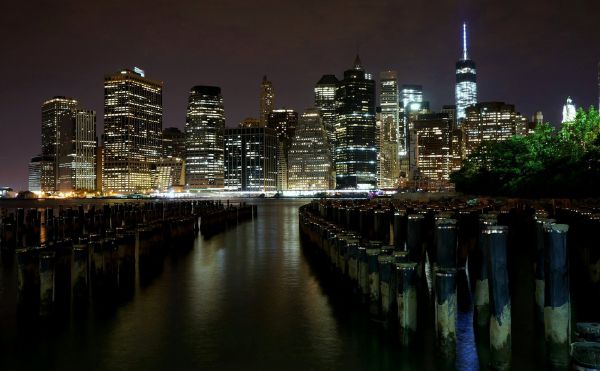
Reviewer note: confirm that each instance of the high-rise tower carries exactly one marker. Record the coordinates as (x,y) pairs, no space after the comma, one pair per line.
(53,112)
(466,81)
(325,102)
(132,131)
(267,100)
(391,137)
(355,129)
(204,138)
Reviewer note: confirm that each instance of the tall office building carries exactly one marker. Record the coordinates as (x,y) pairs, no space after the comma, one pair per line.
(132,131)
(250,159)
(76,155)
(204,127)
(284,122)
(355,129)
(309,159)
(267,100)
(569,111)
(41,174)
(170,170)
(466,81)
(325,102)
(433,134)
(173,143)
(390,134)
(53,111)
(491,121)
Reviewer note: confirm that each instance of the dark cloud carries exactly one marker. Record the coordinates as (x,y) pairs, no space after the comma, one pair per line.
(531,53)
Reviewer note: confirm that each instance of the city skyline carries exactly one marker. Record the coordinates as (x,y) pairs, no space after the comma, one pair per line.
(521,68)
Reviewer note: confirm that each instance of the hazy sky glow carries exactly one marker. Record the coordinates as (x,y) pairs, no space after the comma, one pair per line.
(530,53)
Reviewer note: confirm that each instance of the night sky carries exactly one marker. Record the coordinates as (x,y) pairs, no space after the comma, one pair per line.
(531,53)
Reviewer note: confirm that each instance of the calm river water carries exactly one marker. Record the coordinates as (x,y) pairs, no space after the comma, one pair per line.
(246,299)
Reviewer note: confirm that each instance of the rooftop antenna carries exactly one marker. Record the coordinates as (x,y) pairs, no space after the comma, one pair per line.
(464,41)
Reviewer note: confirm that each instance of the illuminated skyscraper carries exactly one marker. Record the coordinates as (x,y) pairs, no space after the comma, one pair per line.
(132,131)
(391,137)
(356,147)
(466,81)
(267,100)
(491,121)
(325,102)
(309,159)
(41,174)
(171,167)
(569,111)
(173,143)
(53,112)
(204,127)
(284,122)
(433,138)
(251,159)
(77,152)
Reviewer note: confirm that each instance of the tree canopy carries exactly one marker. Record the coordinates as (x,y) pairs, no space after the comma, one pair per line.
(546,163)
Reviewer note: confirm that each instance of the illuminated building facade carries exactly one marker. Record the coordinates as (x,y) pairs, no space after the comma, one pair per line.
(170,169)
(204,138)
(433,137)
(389,132)
(77,152)
(284,122)
(325,102)
(569,111)
(491,121)
(355,129)
(41,174)
(53,112)
(309,159)
(132,131)
(466,81)
(251,159)
(267,101)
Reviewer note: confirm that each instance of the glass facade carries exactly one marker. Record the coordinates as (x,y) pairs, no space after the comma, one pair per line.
(390,136)
(284,122)
(433,137)
(325,102)
(132,132)
(41,174)
(53,112)
(491,121)
(251,159)
(204,127)
(77,152)
(466,81)
(355,131)
(267,101)
(309,159)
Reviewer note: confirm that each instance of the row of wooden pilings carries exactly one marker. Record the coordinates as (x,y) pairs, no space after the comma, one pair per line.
(70,257)
(385,252)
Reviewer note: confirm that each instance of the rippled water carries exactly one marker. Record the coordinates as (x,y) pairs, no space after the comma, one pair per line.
(249,298)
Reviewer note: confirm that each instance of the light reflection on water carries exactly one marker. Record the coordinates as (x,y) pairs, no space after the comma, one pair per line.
(244,299)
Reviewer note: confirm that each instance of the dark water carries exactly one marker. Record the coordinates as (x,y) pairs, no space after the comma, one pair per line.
(249,298)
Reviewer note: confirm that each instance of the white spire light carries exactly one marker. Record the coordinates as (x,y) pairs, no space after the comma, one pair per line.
(464,41)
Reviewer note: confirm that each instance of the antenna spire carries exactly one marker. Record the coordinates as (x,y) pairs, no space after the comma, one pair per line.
(464,40)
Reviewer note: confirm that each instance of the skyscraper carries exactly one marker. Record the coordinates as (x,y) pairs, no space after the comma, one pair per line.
(132,131)
(309,159)
(171,167)
(325,102)
(491,121)
(76,155)
(466,81)
(267,100)
(173,143)
(390,136)
(204,127)
(41,174)
(284,122)
(356,147)
(53,112)
(569,111)
(250,159)
(433,137)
